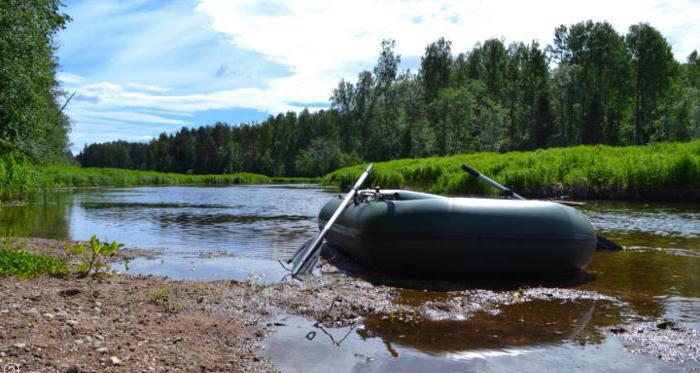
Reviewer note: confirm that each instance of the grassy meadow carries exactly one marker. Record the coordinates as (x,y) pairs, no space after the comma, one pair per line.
(663,171)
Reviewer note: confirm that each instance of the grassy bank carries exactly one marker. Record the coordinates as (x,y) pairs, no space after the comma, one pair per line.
(70,176)
(664,171)
(21,180)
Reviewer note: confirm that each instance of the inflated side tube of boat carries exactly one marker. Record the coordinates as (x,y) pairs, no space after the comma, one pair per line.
(420,233)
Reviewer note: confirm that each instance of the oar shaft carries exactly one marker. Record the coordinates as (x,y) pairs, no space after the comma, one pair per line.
(491,182)
(317,241)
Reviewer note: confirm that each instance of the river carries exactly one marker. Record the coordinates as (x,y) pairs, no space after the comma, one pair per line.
(240,232)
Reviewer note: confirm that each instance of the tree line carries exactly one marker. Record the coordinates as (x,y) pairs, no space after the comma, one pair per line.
(32,124)
(591,85)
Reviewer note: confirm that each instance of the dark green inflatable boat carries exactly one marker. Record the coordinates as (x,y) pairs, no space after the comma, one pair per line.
(418,233)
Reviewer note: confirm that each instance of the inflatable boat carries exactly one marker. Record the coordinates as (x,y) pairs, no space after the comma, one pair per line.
(418,233)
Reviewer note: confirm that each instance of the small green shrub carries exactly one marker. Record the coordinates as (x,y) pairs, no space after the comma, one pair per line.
(27,265)
(161,297)
(92,259)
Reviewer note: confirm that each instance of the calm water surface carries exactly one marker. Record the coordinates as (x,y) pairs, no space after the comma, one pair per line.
(239,232)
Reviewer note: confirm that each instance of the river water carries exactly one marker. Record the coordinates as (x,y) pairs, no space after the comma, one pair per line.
(239,233)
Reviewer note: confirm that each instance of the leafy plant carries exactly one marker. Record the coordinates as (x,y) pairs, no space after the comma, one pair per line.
(159,296)
(162,297)
(92,259)
(27,265)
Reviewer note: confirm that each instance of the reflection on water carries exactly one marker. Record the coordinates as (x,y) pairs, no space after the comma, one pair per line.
(657,277)
(255,221)
(454,347)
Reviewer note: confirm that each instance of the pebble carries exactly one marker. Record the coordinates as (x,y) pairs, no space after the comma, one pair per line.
(102,350)
(115,360)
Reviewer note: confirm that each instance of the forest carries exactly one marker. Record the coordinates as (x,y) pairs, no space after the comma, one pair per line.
(591,85)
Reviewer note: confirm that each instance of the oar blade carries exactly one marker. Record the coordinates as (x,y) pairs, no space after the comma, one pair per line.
(306,256)
(309,264)
(302,261)
(606,244)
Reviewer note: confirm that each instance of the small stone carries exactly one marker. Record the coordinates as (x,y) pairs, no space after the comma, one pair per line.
(49,316)
(115,360)
(73,369)
(102,350)
(20,345)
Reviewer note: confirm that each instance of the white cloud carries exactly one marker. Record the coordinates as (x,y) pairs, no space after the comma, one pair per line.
(148,88)
(323,41)
(69,79)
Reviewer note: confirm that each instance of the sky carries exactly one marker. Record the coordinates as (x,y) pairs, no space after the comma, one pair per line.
(142,67)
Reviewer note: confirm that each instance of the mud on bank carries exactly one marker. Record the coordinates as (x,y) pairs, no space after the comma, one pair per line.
(149,323)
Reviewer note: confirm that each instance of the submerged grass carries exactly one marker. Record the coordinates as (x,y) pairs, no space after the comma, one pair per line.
(663,171)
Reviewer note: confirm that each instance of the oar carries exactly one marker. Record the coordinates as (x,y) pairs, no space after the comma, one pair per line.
(602,242)
(306,256)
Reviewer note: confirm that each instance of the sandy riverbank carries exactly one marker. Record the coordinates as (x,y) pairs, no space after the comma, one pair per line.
(148,323)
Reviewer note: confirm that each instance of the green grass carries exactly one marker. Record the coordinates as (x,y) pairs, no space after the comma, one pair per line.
(22,264)
(295,180)
(57,176)
(20,180)
(664,171)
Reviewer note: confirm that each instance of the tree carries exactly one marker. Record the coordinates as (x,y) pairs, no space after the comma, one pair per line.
(653,67)
(435,68)
(31,121)
(601,54)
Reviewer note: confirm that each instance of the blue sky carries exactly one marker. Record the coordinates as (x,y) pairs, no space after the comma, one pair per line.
(141,67)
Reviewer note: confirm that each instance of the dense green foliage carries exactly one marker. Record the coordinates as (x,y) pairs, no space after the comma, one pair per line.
(31,120)
(26,265)
(669,171)
(593,85)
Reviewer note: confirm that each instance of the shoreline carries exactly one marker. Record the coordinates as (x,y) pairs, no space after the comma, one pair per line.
(151,323)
